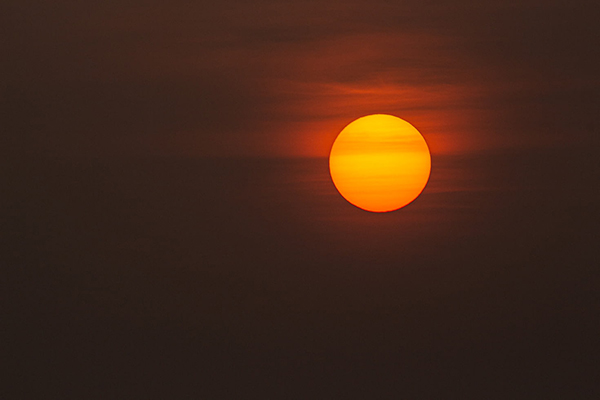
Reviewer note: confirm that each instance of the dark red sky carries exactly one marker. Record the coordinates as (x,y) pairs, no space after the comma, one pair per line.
(282,78)
(164,237)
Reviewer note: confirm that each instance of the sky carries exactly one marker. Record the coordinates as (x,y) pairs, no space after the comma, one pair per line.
(170,228)
(280,79)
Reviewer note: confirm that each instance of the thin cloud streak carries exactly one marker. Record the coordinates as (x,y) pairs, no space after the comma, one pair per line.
(281,79)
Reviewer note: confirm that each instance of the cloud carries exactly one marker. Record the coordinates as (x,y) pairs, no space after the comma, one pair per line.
(281,78)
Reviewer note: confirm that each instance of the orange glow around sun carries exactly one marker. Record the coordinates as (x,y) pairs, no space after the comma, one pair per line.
(380,163)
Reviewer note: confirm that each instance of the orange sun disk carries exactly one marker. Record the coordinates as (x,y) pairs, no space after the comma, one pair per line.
(380,163)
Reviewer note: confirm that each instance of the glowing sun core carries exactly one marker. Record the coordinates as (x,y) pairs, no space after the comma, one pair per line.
(380,163)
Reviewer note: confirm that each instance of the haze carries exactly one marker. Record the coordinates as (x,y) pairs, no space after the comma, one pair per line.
(170,229)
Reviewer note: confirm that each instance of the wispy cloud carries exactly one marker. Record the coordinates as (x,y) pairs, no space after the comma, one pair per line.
(282,78)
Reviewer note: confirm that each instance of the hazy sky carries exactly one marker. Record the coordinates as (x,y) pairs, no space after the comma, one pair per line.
(207,275)
(283,78)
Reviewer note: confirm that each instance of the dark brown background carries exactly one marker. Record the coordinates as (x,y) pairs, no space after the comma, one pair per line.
(170,229)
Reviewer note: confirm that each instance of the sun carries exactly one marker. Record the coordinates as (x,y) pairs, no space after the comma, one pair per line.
(380,163)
